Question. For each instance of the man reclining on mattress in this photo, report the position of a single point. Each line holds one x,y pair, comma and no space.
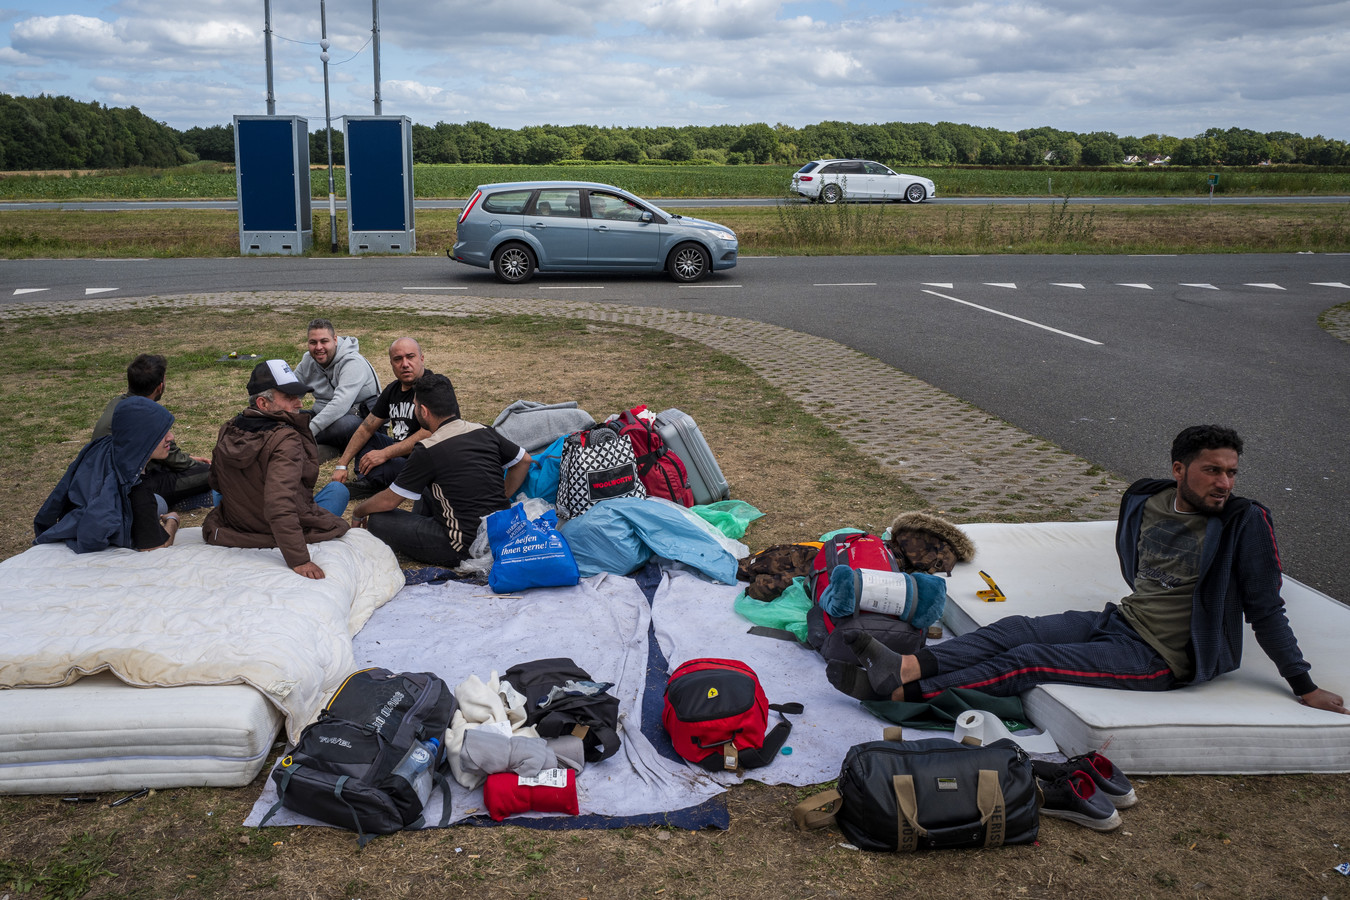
1198,559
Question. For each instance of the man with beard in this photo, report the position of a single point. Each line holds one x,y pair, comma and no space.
459,473
380,457
265,466
1198,559
343,382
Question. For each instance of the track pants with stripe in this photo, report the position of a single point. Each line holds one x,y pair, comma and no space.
1015,654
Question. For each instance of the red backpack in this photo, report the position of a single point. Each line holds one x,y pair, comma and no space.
661,471
858,551
716,714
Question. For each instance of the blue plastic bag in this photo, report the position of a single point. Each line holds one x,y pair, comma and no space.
621,534
528,554
542,480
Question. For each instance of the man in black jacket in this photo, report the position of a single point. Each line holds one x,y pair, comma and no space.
1198,560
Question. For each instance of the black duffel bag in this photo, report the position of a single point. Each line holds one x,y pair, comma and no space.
931,794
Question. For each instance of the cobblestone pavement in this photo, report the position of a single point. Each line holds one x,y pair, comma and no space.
968,464
1337,321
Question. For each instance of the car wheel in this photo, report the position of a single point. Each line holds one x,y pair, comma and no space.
915,193
831,193
688,262
513,263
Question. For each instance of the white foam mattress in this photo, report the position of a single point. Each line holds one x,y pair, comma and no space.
1245,722
100,734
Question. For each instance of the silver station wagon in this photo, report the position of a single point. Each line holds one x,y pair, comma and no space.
577,226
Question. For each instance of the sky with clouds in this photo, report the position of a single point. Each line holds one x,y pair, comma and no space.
1131,68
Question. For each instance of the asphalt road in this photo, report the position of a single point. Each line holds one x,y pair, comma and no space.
1105,356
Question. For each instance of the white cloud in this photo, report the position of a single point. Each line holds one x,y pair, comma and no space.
1068,63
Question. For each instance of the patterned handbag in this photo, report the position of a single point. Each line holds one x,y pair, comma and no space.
597,464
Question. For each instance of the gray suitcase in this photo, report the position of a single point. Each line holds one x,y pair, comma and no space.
682,435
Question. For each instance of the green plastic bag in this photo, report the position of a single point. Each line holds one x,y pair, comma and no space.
731,517
786,612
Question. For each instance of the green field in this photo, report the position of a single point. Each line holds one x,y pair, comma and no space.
216,181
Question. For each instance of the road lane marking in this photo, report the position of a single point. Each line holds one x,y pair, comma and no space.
1142,287
1273,287
1208,287
706,286
414,288
945,285
1069,334
847,284
1068,284
88,291
1339,284
18,291
1003,284
579,287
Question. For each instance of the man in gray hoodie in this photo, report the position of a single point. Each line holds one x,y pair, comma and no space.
343,382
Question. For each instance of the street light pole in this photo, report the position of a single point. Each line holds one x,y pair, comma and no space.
375,34
328,124
267,40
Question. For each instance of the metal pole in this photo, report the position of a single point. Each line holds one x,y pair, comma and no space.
328,124
375,33
267,43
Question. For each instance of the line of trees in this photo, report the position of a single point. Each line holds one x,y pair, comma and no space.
57,132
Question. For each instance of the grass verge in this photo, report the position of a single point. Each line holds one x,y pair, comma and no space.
1189,836
791,229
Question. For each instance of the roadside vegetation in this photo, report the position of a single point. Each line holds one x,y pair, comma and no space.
216,181
792,228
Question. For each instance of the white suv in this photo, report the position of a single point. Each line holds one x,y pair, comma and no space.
832,180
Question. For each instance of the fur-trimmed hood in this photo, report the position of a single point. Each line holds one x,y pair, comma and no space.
963,545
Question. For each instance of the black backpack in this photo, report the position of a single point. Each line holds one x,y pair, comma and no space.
562,698
341,770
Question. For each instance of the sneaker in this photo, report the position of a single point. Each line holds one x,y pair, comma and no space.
1108,779
1073,796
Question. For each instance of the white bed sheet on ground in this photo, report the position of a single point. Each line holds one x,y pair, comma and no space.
694,618
457,630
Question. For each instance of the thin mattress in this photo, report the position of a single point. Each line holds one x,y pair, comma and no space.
1245,722
100,734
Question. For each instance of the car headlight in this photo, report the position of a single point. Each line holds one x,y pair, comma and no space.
723,235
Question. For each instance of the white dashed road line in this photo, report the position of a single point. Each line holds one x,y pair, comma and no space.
1069,334
847,284
415,288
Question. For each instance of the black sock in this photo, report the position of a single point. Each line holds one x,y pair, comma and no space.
881,663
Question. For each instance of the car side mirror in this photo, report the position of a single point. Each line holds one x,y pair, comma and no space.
646,216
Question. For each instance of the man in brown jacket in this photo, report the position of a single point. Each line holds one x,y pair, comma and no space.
265,465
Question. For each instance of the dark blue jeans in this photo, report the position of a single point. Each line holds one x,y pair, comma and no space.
340,432
384,474
416,535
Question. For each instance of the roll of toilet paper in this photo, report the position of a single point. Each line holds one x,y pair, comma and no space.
980,728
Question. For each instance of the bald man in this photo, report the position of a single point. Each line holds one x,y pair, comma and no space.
379,457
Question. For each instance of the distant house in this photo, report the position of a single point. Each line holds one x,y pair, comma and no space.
1132,160
1157,160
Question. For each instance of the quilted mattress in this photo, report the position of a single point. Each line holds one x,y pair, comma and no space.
1245,722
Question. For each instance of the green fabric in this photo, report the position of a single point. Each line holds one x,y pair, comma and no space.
941,713
787,611
826,537
731,517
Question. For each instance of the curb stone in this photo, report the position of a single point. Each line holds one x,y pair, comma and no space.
969,465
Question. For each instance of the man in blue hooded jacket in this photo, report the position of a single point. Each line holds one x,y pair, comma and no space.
101,501
1198,560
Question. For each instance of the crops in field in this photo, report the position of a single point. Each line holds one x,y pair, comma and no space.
685,181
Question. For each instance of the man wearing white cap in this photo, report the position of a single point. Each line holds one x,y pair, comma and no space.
265,465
